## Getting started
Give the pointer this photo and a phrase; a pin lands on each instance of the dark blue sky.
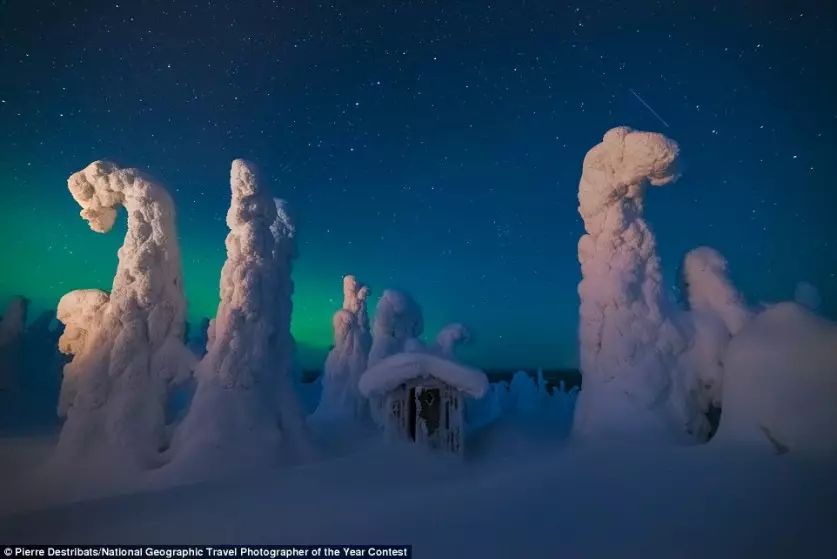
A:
(434, 146)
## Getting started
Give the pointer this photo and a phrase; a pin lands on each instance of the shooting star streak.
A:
(647, 106)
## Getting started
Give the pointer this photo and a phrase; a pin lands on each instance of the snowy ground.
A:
(514, 497)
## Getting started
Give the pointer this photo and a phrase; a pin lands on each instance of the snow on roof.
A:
(396, 369)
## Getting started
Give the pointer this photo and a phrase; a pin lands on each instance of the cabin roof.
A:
(391, 372)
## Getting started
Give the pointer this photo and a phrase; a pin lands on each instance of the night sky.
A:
(431, 146)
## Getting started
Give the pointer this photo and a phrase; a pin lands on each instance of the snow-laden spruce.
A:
(127, 346)
(708, 288)
(291, 416)
(448, 338)
(397, 319)
(716, 312)
(629, 340)
(780, 384)
(807, 295)
(12, 325)
(233, 415)
(341, 398)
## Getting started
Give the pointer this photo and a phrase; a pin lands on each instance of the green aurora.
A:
(49, 250)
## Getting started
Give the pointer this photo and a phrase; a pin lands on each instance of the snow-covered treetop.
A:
(354, 294)
(449, 337)
(620, 166)
(705, 280)
(807, 295)
(283, 229)
(148, 277)
(397, 369)
(398, 315)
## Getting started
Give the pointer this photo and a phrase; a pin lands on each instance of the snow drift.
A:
(127, 346)
(780, 387)
(233, 414)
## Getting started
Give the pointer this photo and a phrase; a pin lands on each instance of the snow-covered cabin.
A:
(423, 397)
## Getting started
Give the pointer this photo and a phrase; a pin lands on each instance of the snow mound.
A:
(780, 387)
(397, 369)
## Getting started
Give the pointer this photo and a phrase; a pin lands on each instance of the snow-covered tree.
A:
(449, 338)
(355, 295)
(343, 367)
(716, 312)
(233, 414)
(291, 415)
(397, 318)
(705, 281)
(807, 295)
(12, 325)
(780, 385)
(346, 362)
(629, 336)
(127, 346)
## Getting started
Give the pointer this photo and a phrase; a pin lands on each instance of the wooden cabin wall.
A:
(450, 432)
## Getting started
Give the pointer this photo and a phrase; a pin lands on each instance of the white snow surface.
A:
(629, 334)
(127, 346)
(668, 502)
(780, 387)
(396, 369)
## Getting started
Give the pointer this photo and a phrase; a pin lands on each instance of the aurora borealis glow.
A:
(432, 146)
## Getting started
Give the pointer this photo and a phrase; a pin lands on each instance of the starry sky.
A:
(430, 146)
